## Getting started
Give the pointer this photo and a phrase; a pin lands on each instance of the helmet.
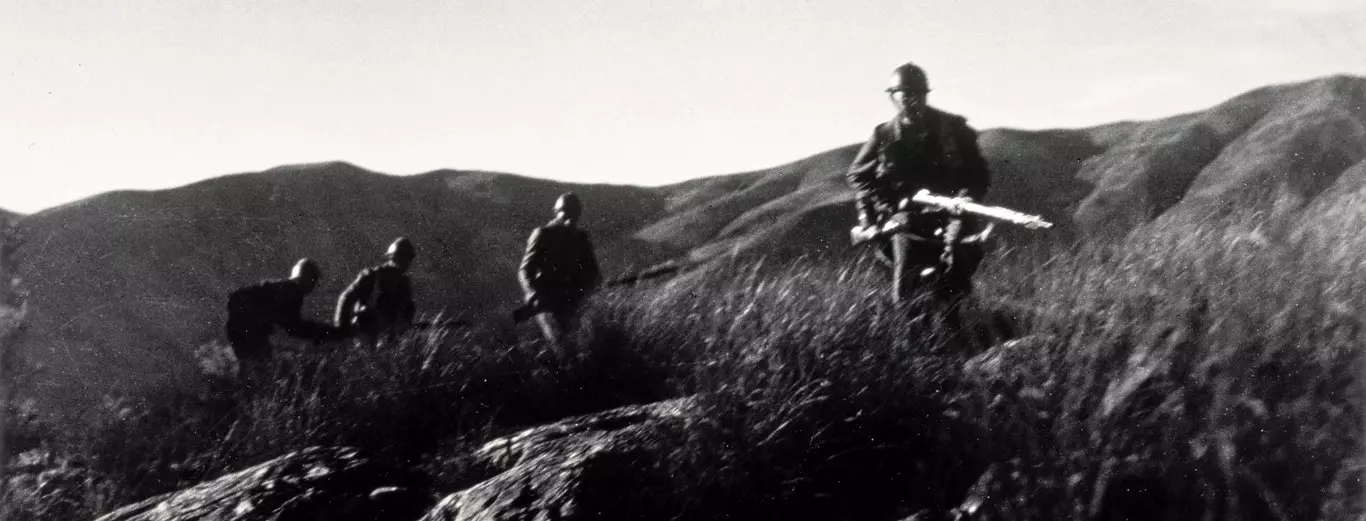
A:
(305, 270)
(401, 248)
(909, 77)
(569, 204)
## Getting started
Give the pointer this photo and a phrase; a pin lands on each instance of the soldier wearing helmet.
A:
(559, 269)
(380, 301)
(255, 310)
(921, 147)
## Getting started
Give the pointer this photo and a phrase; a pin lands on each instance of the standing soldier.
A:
(921, 148)
(255, 310)
(380, 301)
(559, 270)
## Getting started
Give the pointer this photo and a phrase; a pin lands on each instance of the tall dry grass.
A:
(1209, 368)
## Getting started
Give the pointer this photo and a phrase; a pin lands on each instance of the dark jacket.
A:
(380, 299)
(255, 310)
(892, 165)
(559, 264)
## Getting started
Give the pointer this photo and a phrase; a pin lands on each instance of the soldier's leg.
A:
(567, 321)
(957, 280)
(254, 374)
(253, 350)
(955, 287)
(550, 326)
(911, 260)
(884, 253)
(248, 344)
(253, 365)
(903, 280)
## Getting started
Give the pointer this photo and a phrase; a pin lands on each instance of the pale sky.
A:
(100, 95)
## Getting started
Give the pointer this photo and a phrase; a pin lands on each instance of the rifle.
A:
(955, 206)
(527, 310)
(359, 331)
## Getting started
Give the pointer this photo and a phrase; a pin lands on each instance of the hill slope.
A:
(124, 284)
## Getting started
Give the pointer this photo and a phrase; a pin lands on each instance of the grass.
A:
(1208, 368)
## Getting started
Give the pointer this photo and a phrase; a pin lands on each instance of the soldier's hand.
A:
(865, 220)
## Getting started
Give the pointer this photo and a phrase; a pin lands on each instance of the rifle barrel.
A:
(959, 205)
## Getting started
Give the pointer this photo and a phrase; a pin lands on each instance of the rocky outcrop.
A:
(312, 484)
(587, 467)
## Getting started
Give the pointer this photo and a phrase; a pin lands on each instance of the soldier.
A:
(380, 301)
(559, 270)
(255, 310)
(921, 148)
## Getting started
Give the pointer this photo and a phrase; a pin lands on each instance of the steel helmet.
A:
(569, 204)
(401, 248)
(305, 270)
(910, 78)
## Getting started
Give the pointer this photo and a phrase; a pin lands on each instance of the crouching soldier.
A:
(559, 270)
(379, 303)
(255, 310)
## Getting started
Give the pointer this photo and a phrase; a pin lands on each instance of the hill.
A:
(126, 283)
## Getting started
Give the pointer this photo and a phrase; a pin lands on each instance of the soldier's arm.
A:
(862, 176)
(358, 290)
(316, 331)
(292, 321)
(532, 261)
(591, 263)
(409, 307)
(975, 170)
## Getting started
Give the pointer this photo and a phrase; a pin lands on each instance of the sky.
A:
(99, 95)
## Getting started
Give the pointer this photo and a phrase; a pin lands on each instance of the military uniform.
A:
(378, 302)
(557, 272)
(255, 310)
(939, 154)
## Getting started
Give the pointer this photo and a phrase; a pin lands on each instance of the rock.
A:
(586, 467)
(317, 483)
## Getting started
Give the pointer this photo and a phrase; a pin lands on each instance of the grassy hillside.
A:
(124, 281)
(1198, 370)
(1283, 144)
